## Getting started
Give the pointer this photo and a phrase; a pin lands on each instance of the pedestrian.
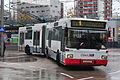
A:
(4, 47)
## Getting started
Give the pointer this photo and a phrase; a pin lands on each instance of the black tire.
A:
(58, 59)
(27, 50)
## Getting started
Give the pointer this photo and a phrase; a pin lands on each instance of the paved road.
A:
(18, 66)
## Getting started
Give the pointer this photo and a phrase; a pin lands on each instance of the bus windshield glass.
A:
(88, 39)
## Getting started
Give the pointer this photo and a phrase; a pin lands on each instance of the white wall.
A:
(55, 7)
(101, 9)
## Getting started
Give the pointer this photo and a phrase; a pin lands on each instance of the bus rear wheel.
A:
(27, 50)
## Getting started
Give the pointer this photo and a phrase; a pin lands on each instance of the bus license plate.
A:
(87, 61)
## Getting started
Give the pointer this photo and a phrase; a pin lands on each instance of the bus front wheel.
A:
(58, 59)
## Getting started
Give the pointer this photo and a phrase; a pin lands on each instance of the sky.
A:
(68, 5)
(116, 7)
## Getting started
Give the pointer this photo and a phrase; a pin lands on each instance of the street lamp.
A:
(2, 24)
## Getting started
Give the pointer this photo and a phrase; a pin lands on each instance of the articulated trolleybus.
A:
(77, 41)
(69, 41)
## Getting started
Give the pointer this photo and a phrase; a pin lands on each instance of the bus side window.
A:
(28, 34)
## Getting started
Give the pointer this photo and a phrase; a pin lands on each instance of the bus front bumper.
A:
(85, 62)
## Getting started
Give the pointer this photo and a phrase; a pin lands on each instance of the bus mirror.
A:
(66, 31)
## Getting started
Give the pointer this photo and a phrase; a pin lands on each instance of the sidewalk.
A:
(13, 53)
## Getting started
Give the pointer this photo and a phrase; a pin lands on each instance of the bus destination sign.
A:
(88, 24)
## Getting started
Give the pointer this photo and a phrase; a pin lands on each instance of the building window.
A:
(36, 6)
(22, 7)
(32, 12)
(95, 6)
(81, 11)
(81, 3)
(47, 10)
(40, 16)
(23, 3)
(31, 6)
(41, 5)
(46, 5)
(95, 2)
(42, 11)
(56, 6)
(85, 2)
(27, 7)
(28, 11)
(90, 11)
(81, 7)
(37, 11)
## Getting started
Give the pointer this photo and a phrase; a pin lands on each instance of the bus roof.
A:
(86, 19)
(35, 27)
(66, 22)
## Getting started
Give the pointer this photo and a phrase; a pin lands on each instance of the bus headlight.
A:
(70, 56)
(104, 57)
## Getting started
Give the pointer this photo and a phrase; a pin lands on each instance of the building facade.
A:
(114, 28)
(97, 9)
(6, 15)
(43, 9)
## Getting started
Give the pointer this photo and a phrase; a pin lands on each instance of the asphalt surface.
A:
(17, 65)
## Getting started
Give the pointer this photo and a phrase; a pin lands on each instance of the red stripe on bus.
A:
(92, 62)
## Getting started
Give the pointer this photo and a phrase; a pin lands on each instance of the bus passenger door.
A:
(36, 42)
(43, 39)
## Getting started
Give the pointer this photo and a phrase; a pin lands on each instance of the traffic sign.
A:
(2, 29)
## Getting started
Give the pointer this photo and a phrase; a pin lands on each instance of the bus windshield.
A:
(88, 39)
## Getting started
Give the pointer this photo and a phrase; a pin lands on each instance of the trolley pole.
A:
(1, 25)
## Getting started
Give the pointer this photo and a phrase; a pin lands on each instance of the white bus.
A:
(70, 41)
(77, 41)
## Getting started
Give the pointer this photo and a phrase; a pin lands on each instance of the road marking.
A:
(114, 72)
(67, 75)
(85, 78)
